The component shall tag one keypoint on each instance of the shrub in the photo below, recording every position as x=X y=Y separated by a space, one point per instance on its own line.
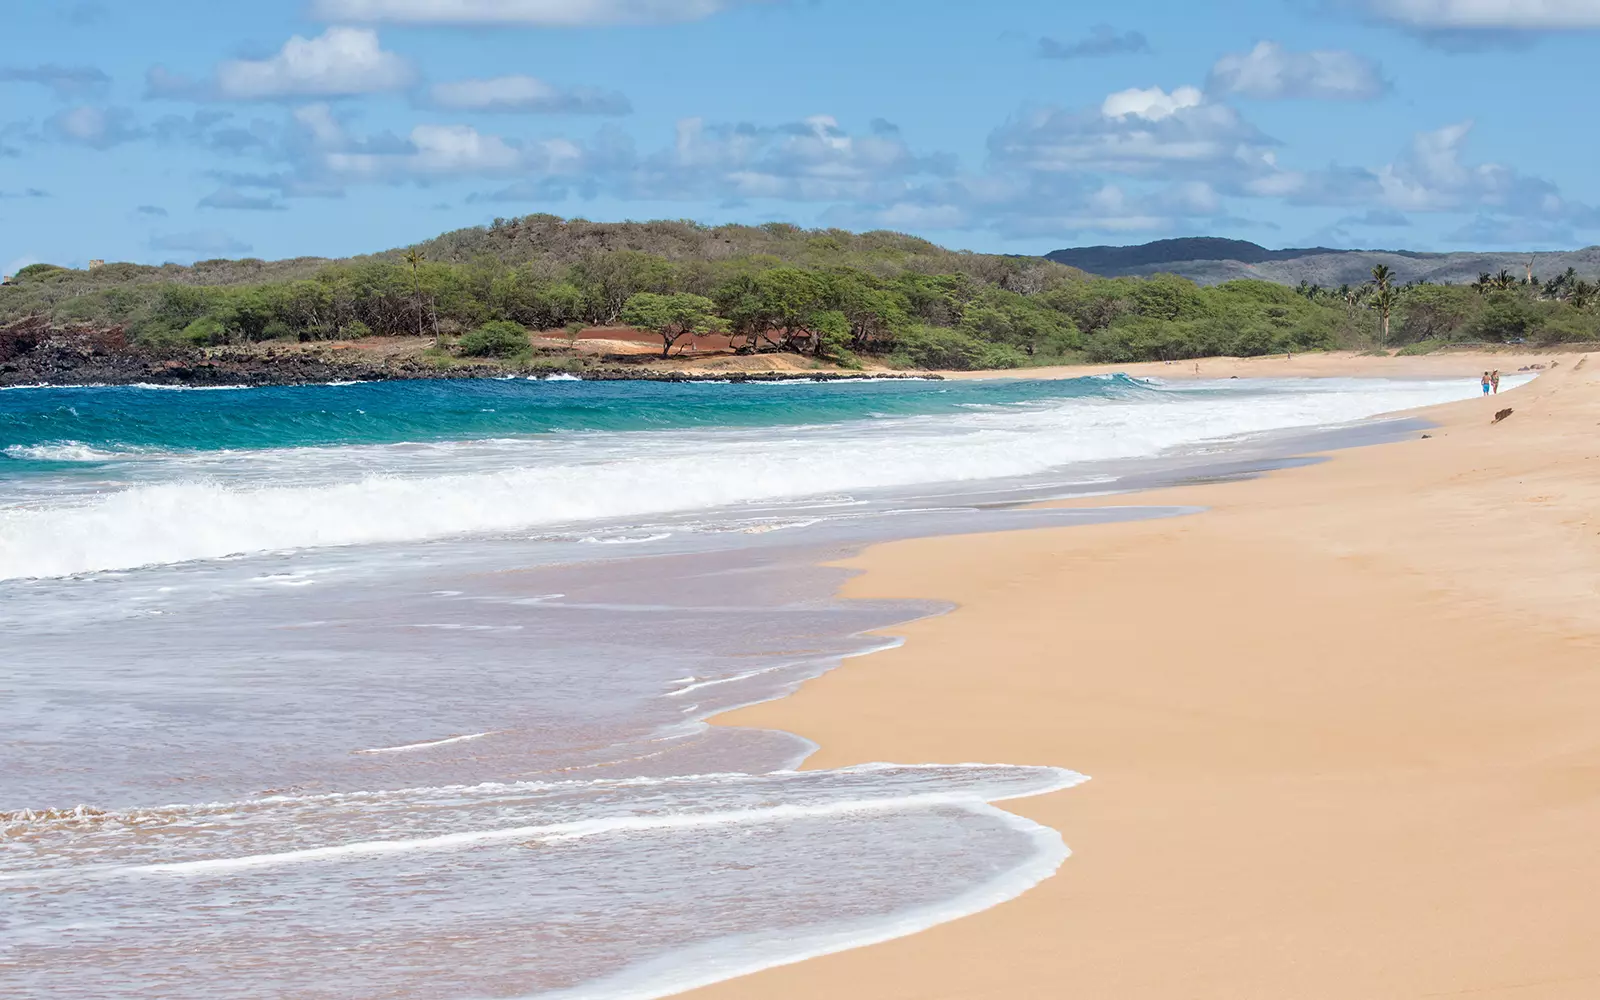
x=1419 y=347
x=496 y=339
x=940 y=347
x=205 y=330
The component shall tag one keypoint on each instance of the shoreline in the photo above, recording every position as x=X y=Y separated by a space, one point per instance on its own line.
x=1200 y=741
x=366 y=362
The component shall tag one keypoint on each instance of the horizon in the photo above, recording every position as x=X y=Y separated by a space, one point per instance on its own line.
x=333 y=128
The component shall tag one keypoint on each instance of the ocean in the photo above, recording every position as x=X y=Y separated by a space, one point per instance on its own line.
x=399 y=689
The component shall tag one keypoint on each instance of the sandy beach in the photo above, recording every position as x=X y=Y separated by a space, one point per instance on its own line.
x=1341 y=726
x=1319 y=364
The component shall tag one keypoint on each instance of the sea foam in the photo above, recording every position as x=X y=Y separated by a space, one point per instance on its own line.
x=510 y=485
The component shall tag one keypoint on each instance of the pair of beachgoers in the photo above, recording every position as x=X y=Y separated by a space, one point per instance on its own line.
x=1491 y=382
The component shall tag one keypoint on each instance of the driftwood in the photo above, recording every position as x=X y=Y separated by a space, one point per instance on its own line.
x=1501 y=415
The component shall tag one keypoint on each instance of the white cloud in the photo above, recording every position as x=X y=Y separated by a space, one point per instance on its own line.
x=1136 y=132
x=338 y=63
x=1433 y=175
x=98 y=128
x=810 y=160
x=1459 y=15
x=526 y=94
x=1269 y=71
x=444 y=151
x=1152 y=104
x=545 y=13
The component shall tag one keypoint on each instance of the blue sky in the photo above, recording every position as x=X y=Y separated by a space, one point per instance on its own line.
x=155 y=130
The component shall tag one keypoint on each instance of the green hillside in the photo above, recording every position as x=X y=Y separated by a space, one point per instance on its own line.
x=832 y=294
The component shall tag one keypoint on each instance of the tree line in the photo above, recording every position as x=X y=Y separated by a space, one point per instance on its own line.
x=843 y=306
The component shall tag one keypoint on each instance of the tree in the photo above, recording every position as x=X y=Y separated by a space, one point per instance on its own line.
x=1383 y=299
x=609 y=280
x=415 y=259
x=672 y=317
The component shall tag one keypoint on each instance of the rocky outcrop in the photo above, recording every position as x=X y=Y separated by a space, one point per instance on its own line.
x=58 y=361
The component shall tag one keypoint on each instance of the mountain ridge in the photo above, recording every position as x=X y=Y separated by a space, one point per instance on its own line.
x=1213 y=260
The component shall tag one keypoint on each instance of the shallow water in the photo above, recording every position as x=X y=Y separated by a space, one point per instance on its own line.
x=420 y=713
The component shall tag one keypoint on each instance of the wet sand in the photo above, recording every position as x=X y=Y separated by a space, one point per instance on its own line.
x=1343 y=727
x=1325 y=364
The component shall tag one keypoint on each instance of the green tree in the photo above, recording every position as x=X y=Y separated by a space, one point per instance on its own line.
x=609 y=280
x=672 y=317
x=1383 y=299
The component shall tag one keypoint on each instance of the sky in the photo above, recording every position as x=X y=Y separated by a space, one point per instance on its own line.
x=176 y=130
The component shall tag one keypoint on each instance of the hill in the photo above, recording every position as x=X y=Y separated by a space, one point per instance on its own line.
x=826 y=295
x=1211 y=261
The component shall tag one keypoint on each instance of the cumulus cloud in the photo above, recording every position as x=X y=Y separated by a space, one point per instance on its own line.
x=1434 y=175
x=1270 y=72
x=526 y=94
x=1136 y=132
x=544 y=13
x=1487 y=15
x=814 y=160
x=204 y=241
x=340 y=62
x=1103 y=40
x=809 y=160
x=97 y=128
x=66 y=81
x=1151 y=104
x=426 y=152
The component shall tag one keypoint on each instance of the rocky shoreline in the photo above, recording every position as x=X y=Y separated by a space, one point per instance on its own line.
x=47 y=366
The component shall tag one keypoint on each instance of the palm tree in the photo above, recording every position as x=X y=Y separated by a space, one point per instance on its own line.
x=1504 y=281
x=1580 y=293
x=1384 y=299
x=1483 y=284
x=415 y=258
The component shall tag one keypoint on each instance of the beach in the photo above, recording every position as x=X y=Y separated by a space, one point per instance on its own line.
x=416 y=692
x=1339 y=725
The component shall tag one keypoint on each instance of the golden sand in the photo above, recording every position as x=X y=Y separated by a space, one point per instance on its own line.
x=1343 y=727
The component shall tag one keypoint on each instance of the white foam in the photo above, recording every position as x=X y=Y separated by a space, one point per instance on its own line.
x=62 y=451
x=580 y=829
x=510 y=485
x=430 y=743
x=745 y=954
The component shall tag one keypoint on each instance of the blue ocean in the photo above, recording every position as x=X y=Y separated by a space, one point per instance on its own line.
x=401 y=689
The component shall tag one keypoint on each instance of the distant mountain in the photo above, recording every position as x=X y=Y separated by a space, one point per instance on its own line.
x=1210 y=261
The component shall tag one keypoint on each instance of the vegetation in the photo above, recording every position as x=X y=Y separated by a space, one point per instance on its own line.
x=672 y=317
x=824 y=293
x=1495 y=309
x=495 y=339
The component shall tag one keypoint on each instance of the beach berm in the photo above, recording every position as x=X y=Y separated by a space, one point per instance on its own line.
x=1340 y=727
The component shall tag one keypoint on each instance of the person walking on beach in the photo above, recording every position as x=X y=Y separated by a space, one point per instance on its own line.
x=1486 y=383
x=1494 y=380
